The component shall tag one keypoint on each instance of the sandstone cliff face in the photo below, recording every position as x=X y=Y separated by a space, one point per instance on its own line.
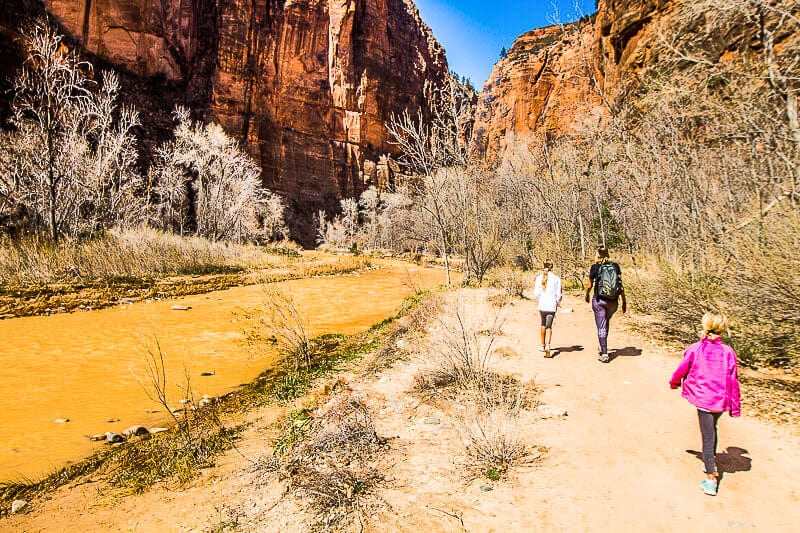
x=542 y=86
x=307 y=85
x=562 y=80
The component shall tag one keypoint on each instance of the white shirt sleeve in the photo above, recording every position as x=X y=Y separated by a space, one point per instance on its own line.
x=559 y=292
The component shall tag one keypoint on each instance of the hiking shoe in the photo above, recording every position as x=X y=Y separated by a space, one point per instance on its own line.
x=547 y=348
x=709 y=487
x=541 y=348
x=603 y=358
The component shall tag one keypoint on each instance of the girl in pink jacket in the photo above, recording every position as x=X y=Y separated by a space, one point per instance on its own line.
x=708 y=372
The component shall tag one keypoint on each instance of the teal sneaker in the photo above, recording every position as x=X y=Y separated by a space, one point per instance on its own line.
x=709 y=487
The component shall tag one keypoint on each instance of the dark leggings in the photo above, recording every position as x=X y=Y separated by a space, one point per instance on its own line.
x=547 y=319
x=708 y=429
x=603 y=311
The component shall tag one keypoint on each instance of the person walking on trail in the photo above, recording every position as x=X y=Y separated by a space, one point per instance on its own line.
x=547 y=290
x=709 y=375
x=605 y=277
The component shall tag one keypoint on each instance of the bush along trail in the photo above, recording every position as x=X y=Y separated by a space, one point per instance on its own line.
x=448 y=418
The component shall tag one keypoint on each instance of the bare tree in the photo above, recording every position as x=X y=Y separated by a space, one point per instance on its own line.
x=72 y=154
x=431 y=144
x=206 y=184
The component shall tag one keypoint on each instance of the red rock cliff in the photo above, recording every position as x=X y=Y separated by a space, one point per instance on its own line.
x=308 y=85
x=563 y=80
x=542 y=86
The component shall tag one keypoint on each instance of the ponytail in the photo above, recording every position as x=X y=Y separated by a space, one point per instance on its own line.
x=548 y=265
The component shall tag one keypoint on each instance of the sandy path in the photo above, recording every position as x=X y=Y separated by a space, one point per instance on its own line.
x=619 y=458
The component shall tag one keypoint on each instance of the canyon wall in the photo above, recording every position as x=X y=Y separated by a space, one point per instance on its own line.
x=541 y=87
x=307 y=85
x=564 y=80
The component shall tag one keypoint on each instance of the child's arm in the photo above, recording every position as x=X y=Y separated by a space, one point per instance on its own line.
x=682 y=370
x=733 y=387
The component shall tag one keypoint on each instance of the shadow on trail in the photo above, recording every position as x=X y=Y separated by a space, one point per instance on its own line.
x=565 y=349
x=730 y=461
x=628 y=351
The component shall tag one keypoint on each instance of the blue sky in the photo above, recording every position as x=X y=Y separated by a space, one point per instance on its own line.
x=474 y=31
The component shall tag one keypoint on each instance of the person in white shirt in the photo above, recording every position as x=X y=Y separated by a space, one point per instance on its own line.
x=547 y=290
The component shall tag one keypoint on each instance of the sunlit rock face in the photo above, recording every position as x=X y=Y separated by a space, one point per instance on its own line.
x=307 y=85
x=542 y=86
x=565 y=80
x=562 y=80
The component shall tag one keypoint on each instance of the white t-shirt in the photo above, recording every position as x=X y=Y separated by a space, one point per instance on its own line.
x=551 y=295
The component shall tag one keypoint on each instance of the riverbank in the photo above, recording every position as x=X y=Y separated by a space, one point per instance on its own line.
x=52 y=298
x=91 y=367
x=602 y=446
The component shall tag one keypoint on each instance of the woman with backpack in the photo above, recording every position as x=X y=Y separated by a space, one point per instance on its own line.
x=605 y=277
x=547 y=290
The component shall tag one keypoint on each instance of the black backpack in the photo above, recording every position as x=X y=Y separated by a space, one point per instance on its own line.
x=609 y=283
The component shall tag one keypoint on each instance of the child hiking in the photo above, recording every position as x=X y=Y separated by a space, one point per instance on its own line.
x=547 y=290
x=606 y=278
x=709 y=375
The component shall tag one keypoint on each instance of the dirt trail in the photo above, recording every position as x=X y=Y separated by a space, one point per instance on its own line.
x=618 y=459
x=620 y=456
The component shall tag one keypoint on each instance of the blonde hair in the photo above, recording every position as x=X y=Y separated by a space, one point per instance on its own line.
x=548 y=265
x=714 y=324
x=602 y=255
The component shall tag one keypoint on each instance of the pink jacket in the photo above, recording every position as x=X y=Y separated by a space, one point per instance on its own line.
x=709 y=375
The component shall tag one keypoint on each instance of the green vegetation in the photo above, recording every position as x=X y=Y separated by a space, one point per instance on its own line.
x=165 y=456
x=491 y=473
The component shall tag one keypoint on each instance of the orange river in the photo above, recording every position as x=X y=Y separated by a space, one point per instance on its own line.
x=89 y=367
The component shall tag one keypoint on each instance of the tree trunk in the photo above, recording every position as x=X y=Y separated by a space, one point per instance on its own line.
x=51 y=185
x=445 y=256
x=794 y=128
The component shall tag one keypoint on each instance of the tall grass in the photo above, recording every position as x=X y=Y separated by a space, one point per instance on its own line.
x=751 y=276
x=136 y=253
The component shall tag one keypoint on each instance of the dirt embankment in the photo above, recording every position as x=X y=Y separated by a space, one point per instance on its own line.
x=605 y=446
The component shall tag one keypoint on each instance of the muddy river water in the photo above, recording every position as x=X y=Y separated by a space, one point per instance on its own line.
x=89 y=367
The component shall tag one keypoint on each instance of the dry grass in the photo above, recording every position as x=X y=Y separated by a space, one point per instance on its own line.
x=513 y=281
x=121 y=255
x=497 y=442
x=170 y=456
x=332 y=464
x=38 y=277
x=462 y=347
x=459 y=369
x=408 y=331
x=286 y=320
x=752 y=278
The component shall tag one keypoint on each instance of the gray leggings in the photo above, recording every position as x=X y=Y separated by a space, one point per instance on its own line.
x=708 y=429
x=603 y=311
x=547 y=318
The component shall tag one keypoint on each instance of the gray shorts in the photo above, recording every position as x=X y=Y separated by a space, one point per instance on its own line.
x=547 y=318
